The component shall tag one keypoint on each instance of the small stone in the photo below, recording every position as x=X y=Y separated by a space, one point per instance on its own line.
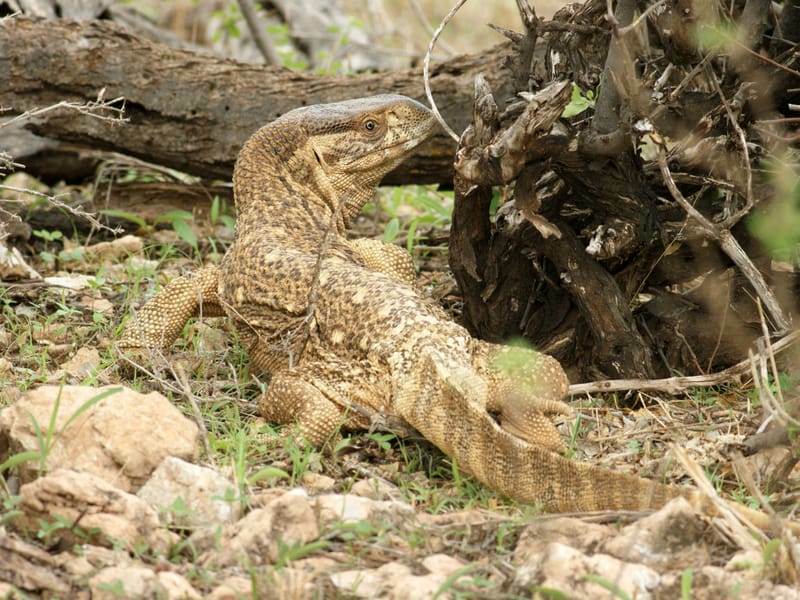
x=70 y=281
x=83 y=363
x=13 y=265
x=318 y=484
x=188 y=495
x=103 y=513
x=392 y=580
x=98 y=305
x=257 y=538
x=349 y=508
x=208 y=339
x=233 y=588
x=376 y=488
x=121 y=438
x=5 y=365
x=140 y=582
x=582 y=536
x=176 y=587
x=669 y=538
x=562 y=567
x=110 y=251
x=442 y=564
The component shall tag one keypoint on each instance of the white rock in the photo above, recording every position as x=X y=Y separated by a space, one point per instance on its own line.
x=349 y=508
x=536 y=536
x=121 y=438
x=318 y=484
x=233 y=588
x=109 y=251
x=564 y=568
x=671 y=537
x=83 y=363
x=392 y=580
x=200 y=489
x=376 y=488
x=257 y=537
x=139 y=583
x=106 y=514
x=13 y=266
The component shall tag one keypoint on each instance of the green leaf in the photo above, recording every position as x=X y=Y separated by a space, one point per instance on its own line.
x=124 y=214
x=578 y=103
x=175 y=215
x=686 y=583
x=214 y=216
x=185 y=232
x=434 y=205
x=267 y=473
x=391 y=230
x=20 y=458
x=411 y=236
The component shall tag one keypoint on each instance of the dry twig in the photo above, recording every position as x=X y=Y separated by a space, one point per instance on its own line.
x=677 y=385
x=257 y=31
x=426 y=63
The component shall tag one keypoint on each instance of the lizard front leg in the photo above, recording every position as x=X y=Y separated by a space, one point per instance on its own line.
x=386 y=258
x=322 y=396
x=160 y=321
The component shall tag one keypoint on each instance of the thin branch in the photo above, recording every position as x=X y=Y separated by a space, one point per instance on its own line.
x=94 y=109
x=420 y=14
x=54 y=200
x=426 y=63
x=650 y=9
x=733 y=219
x=677 y=385
x=180 y=374
x=730 y=246
x=257 y=31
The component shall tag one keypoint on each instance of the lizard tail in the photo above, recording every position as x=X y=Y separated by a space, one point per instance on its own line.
x=447 y=406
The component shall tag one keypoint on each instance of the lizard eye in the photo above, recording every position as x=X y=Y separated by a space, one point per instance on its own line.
x=370 y=125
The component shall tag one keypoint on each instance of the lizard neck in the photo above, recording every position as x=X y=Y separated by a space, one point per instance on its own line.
x=279 y=176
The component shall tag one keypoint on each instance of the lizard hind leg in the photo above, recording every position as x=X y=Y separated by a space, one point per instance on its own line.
x=525 y=387
x=292 y=400
x=321 y=397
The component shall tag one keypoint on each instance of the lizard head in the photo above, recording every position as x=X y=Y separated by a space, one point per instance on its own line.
x=367 y=137
x=344 y=147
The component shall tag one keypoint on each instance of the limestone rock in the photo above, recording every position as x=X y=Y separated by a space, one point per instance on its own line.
x=562 y=567
x=103 y=513
x=670 y=538
x=376 y=488
x=232 y=588
x=582 y=536
x=13 y=265
x=200 y=490
x=396 y=581
x=140 y=582
x=257 y=537
x=121 y=438
x=715 y=582
x=29 y=568
x=82 y=364
x=115 y=249
x=318 y=484
x=349 y=508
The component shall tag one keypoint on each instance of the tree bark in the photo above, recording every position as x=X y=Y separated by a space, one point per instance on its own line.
x=193 y=112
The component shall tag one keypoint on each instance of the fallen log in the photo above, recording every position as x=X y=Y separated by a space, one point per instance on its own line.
x=192 y=112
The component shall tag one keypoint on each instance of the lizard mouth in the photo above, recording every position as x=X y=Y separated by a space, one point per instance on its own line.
x=405 y=145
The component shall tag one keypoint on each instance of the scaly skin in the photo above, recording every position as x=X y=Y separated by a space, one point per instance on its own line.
x=350 y=335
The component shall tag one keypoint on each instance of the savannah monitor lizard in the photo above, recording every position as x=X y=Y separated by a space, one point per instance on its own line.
x=345 y=333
